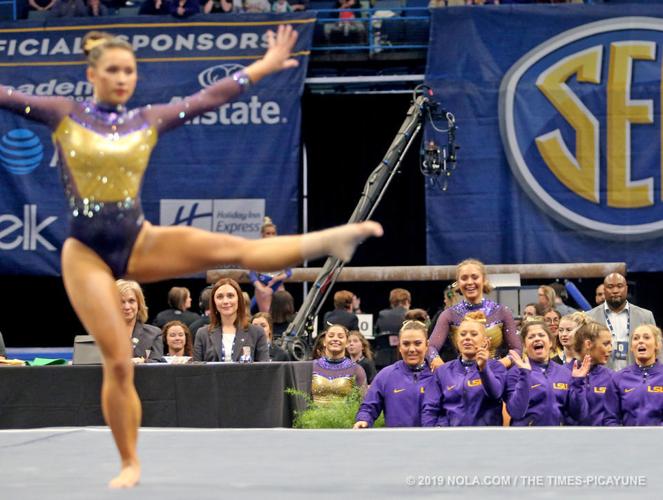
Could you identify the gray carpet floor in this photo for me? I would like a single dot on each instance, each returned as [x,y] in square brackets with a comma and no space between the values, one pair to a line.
[76,463]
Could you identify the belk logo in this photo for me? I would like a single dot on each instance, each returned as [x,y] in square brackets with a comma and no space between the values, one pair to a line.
[25,233]
[578,124]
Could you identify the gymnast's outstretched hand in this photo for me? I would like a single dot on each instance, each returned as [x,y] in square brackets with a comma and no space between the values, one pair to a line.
[277,57]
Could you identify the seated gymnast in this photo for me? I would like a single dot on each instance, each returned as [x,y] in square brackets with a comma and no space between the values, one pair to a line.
[635,396]
[146,343]
[594,340]
[229,335]
[104,150]
[398,390]
[334,373]
[540,392]
[467,391]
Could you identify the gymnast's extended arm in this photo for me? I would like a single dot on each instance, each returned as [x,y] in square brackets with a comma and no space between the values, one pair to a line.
[42,109]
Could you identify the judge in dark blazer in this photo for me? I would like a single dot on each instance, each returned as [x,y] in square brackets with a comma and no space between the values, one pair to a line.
[229,334]
[390,320]
[145,339]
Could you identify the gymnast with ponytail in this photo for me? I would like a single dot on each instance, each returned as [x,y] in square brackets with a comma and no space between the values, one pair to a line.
[104,150]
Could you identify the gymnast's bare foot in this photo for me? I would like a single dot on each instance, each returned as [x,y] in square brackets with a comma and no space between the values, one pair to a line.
[127,478]
[340,241]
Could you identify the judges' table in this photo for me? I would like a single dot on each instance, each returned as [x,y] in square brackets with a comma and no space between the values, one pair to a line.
[212,395]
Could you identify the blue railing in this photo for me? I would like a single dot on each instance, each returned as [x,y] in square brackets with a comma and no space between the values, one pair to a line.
[372,29]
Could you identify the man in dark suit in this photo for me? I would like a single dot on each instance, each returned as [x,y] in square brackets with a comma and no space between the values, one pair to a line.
[390,320]
[342,313]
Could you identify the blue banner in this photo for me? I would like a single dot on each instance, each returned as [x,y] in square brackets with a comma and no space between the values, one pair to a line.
[222,171]
[559,123]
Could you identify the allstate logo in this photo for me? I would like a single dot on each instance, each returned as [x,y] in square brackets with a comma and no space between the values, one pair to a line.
[20,151]
[578,126]
[215,73]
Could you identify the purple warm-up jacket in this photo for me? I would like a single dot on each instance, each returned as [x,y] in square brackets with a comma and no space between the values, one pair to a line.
[635,396]
[461,395]
[397,390]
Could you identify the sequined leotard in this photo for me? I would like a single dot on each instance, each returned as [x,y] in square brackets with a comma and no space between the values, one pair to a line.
[500,328]
[104,152]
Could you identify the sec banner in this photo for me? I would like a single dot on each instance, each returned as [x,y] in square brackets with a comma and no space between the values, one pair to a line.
[561,133]
[223,170]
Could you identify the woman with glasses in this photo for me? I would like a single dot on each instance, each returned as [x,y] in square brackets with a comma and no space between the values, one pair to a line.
[552,318]
[500,326]
[399,388]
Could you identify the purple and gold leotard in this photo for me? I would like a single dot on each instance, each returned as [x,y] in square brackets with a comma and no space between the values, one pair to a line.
[104,152]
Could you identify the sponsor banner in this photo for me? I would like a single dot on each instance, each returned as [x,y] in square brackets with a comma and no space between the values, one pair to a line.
[237,163]
[560,129]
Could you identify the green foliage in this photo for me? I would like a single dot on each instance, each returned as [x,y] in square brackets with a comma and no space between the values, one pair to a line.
[337,414]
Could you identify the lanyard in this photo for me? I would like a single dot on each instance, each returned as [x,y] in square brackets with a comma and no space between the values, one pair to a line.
[612,329]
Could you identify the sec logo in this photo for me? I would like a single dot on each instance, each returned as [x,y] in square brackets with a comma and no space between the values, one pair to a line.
[580,119]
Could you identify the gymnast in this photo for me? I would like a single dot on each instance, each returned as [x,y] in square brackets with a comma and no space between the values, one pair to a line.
[104,150]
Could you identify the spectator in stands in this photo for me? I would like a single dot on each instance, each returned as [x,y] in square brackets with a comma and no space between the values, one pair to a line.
[621,317]
[299,5]
[264,321]
[398,390]
[221,6]
[360,352]
[530,310]
[466,391]
[69,8]
[599,296]
[204,308]
[229,334]
[179,300]
[500,326]
[568,325]
[184,8]
[547,298]
[390,320]
[266,284]
[342,313]
[281,6]
[595,340]
[552,318]
[96,9]
[635,395]
[155,7]
[41,5]
[348,29]
[146,339]
[282,311]
[257,6]
[177,339]
[561,296]
[541,393]
[335,374]
[3,351]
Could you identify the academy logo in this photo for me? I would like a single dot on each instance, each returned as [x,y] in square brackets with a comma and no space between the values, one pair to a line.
[20,151]
[579,130]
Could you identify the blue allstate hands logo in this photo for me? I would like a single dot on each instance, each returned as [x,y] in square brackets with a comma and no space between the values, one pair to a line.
[21,151]
[213,74]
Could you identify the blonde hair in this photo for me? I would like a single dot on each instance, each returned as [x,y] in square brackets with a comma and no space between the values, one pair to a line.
[266,223]
[96,42]
[125,286]
[656,331]
[487,287]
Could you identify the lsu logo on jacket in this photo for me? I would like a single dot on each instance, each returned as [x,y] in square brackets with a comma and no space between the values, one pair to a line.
[580,117]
